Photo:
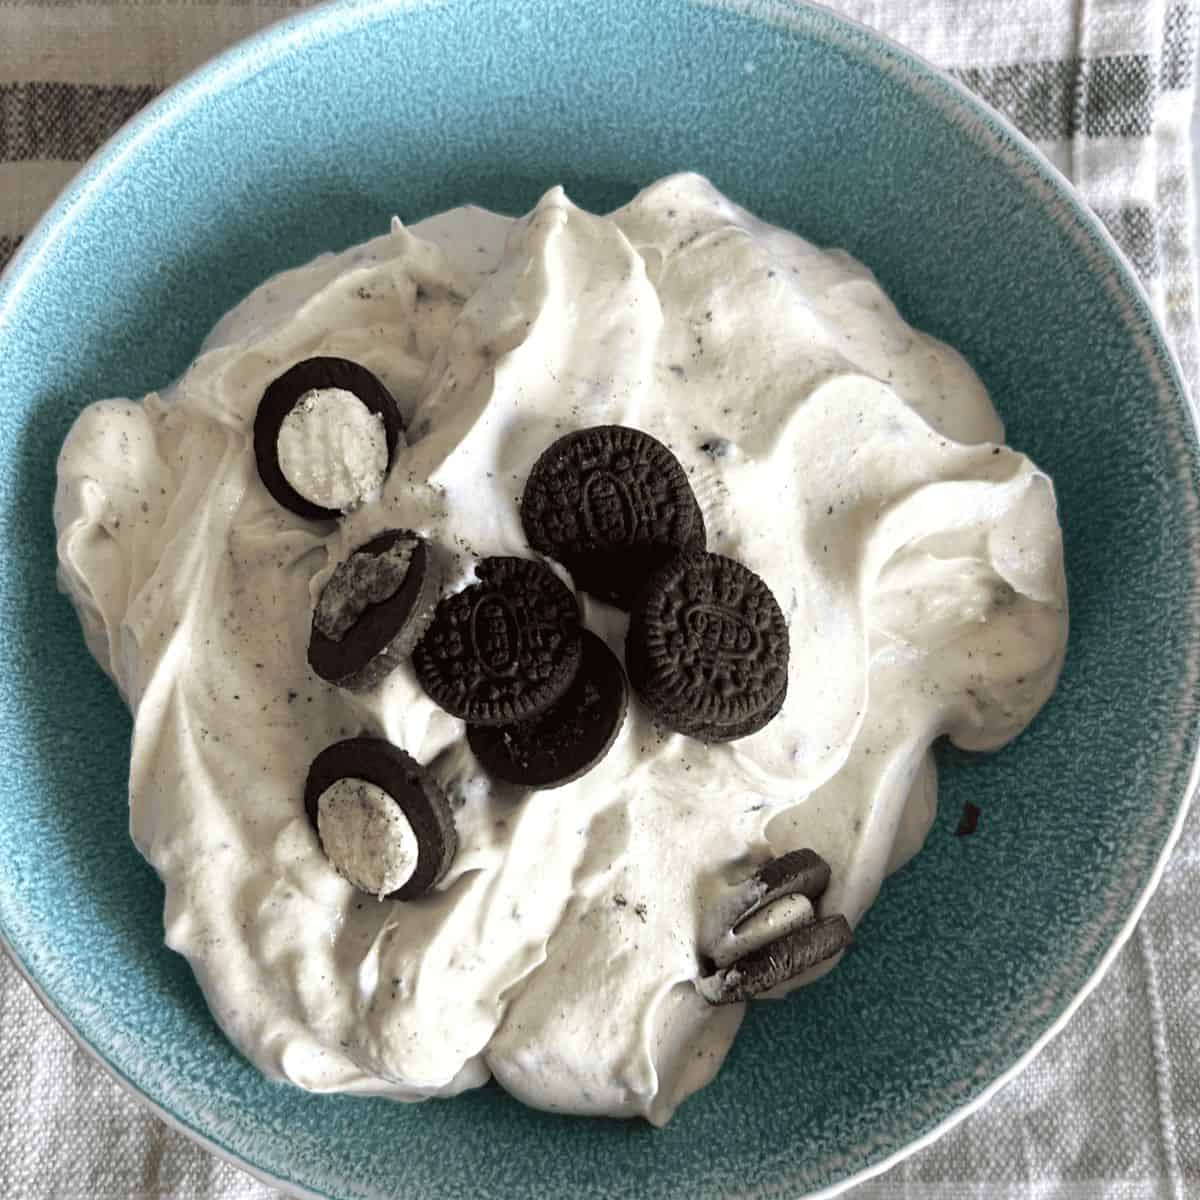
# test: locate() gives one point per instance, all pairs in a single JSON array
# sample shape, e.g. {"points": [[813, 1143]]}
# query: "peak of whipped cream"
{"points": [[854, 463]]}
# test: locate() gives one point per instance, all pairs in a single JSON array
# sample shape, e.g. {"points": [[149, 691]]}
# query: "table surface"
{"points": [[1111, 1109]]}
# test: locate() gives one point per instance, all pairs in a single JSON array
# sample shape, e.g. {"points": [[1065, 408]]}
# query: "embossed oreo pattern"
{"points": [[707, 648], [611, 504], [504, 649]]}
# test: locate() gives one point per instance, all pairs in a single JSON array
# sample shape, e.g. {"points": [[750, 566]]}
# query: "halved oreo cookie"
{"points": [[773, 901], [504, 649], [350, 821], [777, 961], [567, 740], [707, 648], [343, 427], [611, 504], [372, 610]]}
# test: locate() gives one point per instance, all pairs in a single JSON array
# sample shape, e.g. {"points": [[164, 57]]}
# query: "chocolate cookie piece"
{"points": [[704, 732], [969, 821], [803, 871], [707, 648], [777, 961], [418, 796], [372, 610], [285, 393], [504, 649], [567, 740], [611, 504]]}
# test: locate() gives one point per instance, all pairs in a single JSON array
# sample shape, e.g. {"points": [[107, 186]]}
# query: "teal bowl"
{"points": [[309, 137]]}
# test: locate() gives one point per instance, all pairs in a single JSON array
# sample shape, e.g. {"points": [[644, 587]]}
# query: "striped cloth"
{"points": [[1111, 1110]]}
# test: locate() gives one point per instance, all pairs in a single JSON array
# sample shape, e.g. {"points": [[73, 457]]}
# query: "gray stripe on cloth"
{"points": [[1117, 96], [1103, 97], [64, 121], [1038, 98], [1179, 47], [8, 247], [1137, 233]]}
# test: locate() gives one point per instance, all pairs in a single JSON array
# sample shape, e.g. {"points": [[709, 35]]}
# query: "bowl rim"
{"points": [[260, 50]]}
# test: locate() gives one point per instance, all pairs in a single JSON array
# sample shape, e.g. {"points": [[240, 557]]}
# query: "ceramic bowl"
{"points": [[308, 138]]}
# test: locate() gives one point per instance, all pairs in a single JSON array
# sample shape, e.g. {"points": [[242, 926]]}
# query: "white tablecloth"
{"points": [[1111, 1110]]}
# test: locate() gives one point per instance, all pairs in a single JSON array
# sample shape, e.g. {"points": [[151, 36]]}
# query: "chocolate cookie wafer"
{"points": [[347, 404], [504, 649], [777, 961], [372, 610], [567, 740], [707, 648], [351, 822], [611, 504]]}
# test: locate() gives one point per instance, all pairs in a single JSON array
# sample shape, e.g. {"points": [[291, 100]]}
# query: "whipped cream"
{"points": [[851, 461]]}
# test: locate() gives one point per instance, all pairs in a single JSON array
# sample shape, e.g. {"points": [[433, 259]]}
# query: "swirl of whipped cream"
{"points": [[854, 463]]}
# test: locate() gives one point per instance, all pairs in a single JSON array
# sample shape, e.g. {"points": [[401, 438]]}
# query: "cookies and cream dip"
{"points": [[853, 464]]}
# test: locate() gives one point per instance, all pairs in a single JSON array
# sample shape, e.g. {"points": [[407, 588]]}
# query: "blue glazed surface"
{"points": [[309, 138]]}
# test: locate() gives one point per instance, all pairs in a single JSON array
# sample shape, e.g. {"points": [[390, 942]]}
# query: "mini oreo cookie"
{"points": [[777, 961], [763, 907], [612, 504], [707, 648], [504, 649], [284, 393], [567, 740], [412, 788], [372, 610]]}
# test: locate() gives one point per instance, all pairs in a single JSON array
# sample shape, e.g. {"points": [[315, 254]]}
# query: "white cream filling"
{"points": [[332, 449], [773, 921], [366, 836]]}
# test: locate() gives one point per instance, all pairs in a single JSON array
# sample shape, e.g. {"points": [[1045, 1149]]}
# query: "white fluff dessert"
{"points": [[575, 938]]}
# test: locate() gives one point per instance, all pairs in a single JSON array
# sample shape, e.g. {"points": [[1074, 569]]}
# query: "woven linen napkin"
{"points": [[1111, 1110]]}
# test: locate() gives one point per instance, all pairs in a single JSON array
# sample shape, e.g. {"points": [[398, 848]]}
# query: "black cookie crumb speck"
{"points": [[969, 821], [716, 447]]}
